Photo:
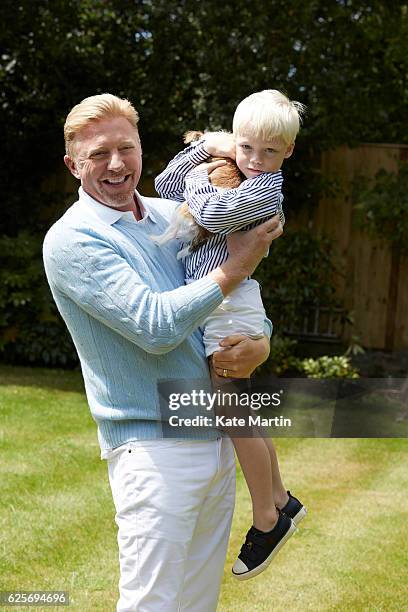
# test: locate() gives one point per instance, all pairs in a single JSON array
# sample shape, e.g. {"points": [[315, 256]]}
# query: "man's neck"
{"points": [[134, 207]]}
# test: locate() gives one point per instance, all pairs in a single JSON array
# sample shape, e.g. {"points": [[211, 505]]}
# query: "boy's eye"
{"points": [[270, 150], [246, 147]]}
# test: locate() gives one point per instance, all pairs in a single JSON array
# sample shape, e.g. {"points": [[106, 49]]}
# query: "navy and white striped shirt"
{"points": [[219, 211]]}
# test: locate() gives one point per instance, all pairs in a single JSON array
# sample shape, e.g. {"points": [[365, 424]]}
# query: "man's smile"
{"points": [[115, 181]]}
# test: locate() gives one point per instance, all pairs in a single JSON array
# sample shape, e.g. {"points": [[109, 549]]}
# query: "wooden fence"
{"points": [[373, 286]]}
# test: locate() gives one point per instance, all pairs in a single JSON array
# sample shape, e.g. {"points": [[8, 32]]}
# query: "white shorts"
{"points": [[241, 312]]}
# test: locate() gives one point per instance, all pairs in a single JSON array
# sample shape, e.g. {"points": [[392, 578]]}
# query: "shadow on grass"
{"points": [[63, 380]]}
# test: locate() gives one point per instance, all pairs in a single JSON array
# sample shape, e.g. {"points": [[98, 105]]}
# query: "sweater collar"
{"points": [[111, 215]]}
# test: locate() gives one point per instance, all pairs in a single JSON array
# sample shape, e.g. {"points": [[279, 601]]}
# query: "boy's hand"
{"points": [[210, 166], [219, 144]]}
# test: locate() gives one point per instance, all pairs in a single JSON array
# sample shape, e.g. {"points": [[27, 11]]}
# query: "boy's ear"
{"points": [[289, 150], [70, 164]]}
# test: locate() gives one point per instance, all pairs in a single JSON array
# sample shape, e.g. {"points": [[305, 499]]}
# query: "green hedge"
{"points": [[31, 330], [299, 273]]}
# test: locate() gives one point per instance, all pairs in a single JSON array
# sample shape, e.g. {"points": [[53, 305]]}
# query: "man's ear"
{"points": [[289, 150], [70, 164]]}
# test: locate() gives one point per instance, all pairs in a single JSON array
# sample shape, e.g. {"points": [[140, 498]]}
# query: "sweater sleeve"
{"points": [[92, 273], [170, 183], [226, 211]]}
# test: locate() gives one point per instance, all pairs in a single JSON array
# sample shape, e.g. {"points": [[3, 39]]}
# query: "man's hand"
{"points": [[246, 250], [219, 144], [240, 356]]}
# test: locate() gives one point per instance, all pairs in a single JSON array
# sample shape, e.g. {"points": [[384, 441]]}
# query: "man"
{"points": [[134, 323]]}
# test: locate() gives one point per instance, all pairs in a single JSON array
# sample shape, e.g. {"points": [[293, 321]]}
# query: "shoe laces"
{"points": [[253, 542]]}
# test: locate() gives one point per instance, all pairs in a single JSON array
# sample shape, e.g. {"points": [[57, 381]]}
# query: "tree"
{"points": [[186, 64]]}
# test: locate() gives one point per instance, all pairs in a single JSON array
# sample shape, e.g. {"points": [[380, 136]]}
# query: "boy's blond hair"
{"points": [[268, 114], [94, 108]]}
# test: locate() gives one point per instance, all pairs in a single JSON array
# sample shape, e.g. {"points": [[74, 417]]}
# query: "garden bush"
{"points": [[31, 330], [338, 366], [299, 273], [285, 359]]}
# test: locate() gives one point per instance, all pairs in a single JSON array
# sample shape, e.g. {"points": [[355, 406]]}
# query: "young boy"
{"points": [[265, 126]]}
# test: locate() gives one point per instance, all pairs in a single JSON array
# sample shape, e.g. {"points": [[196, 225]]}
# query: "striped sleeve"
{"points": [[170, 183], [227, 211]]}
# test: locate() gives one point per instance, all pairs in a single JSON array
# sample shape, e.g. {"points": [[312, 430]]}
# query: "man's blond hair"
{"points": [[268, 114], [93, 108]]}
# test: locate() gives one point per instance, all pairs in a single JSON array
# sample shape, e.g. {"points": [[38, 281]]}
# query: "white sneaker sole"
{"points": [[299, 516], [261, 568]]}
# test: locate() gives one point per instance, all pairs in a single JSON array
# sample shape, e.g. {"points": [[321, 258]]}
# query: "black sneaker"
{"points": [[294, 509], [260, 548]]}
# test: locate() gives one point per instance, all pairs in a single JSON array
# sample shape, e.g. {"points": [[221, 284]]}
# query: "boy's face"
{"points": [[255, 156]]}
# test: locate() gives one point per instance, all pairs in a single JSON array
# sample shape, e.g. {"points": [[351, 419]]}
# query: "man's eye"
{"points": [[127, 147], [98, 153]]}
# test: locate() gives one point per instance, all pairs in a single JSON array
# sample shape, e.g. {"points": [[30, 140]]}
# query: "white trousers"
{"points": [[174, 502]]}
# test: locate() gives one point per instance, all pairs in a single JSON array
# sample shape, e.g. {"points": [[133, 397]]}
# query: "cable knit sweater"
{"points": [[126, 307]]}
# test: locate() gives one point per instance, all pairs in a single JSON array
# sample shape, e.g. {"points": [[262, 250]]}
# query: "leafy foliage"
{"points": [[382, 206], [186, 65], [31, 330], [338, 366], [298, 273], [282, 356], [284, 360]]}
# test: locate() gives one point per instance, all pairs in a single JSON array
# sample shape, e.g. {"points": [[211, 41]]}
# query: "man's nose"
{"points": [[115, 161]]}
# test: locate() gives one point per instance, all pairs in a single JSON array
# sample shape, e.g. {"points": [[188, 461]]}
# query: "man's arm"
{"points": [[91, 273], [88, 270]]}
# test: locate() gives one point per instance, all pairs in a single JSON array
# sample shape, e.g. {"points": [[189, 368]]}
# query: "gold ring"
{"points": [[225, 373]]}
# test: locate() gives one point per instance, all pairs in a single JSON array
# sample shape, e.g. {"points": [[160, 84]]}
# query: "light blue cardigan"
{"points": [[132, 319]]}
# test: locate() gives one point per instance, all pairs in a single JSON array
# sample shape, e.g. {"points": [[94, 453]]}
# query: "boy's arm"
{"points": [[227, 211], [170, 183]]}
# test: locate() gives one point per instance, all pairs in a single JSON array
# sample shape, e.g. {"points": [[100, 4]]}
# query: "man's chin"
{"points": [[118, 200]]}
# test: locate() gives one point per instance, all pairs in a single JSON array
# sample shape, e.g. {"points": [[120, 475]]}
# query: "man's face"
{"points": [[255, 156], [107, 158]]}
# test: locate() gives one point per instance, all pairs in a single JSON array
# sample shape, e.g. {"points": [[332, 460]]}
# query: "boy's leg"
{"points": [[253, 455], [208, 547], [271, 529], [255, 461], [158, 489], [280, 494], [286, 502]]}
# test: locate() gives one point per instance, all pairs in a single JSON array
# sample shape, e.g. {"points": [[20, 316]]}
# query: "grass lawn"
{"points": [[56, 514]]}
